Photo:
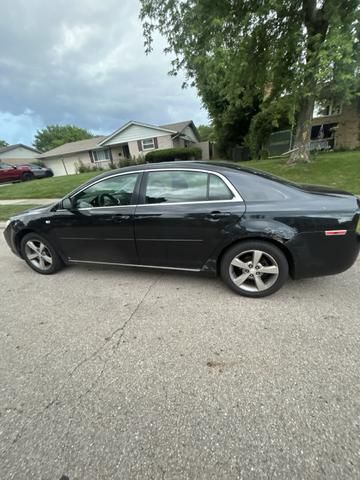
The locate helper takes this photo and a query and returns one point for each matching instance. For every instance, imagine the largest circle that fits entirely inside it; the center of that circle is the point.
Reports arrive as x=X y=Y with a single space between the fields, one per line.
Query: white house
x=131 y=140
x=18 y=154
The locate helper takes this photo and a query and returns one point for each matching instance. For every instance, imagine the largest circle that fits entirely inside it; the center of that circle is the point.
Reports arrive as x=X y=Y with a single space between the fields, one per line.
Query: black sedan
x=252 y=228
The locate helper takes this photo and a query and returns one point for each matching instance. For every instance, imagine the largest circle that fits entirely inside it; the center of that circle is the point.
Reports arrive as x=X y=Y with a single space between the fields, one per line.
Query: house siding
x=134 y=133
x=179 y=142
x=164 y=141
x=117 y=154
x=188 y=131
x=18 y=155
x=347 y=135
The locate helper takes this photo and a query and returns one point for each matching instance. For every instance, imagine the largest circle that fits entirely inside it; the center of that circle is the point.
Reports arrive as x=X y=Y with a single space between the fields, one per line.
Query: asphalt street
x=110 y=373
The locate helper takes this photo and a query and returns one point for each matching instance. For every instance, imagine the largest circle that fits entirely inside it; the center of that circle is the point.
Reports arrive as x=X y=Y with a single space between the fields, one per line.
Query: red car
x=12 y=173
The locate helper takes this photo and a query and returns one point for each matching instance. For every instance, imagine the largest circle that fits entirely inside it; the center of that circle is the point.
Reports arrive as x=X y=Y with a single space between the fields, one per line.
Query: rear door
x=183 y=217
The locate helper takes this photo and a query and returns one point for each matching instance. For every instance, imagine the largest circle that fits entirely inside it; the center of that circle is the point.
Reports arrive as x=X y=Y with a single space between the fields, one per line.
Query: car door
x=99 y=228
x=184 y=216
x=3 y=173
x=8 y=173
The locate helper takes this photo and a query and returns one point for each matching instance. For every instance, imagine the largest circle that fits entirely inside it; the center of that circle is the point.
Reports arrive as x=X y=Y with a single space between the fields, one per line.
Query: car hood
x=33 y=211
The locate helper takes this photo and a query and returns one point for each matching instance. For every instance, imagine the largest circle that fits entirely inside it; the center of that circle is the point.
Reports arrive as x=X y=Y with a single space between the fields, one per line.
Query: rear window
x=258 y=188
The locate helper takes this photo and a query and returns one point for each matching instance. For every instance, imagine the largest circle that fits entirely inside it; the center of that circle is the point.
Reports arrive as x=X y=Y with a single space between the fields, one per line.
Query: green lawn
x=338 y=169
x=54 y=187
x=6 y=211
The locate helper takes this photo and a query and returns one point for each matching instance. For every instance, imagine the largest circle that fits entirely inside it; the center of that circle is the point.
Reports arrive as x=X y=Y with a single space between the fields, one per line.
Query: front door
x=8 y=173
x=100 y=227
x=183 y=218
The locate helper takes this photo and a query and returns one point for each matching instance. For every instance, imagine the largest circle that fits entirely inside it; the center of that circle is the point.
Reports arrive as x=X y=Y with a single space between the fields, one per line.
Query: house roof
x=141 y=124
x=74 y=147
x=17 y=145
x=179 y=127
x=98 y=142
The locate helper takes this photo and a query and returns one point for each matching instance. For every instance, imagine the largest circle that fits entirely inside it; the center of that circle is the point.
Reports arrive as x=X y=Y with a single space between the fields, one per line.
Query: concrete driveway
x=127 y=374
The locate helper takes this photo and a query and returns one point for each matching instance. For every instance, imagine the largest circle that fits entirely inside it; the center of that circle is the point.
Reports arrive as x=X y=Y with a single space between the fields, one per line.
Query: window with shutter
x=148 y=143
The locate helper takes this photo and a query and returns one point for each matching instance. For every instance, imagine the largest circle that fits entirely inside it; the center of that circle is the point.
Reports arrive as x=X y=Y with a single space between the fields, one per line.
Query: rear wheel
x=254 y=268
x=40 y=255
x=26 y=176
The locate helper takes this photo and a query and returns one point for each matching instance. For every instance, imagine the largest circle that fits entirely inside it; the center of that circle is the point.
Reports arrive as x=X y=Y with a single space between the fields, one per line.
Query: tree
x=274 y=116
x=264 y=49
x=206 y=133
x=3 y=143
x=53 y=136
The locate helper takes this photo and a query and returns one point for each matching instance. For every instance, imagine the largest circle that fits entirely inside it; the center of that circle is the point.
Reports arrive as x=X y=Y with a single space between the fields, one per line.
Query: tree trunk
x=301 y=145
x=316 y=28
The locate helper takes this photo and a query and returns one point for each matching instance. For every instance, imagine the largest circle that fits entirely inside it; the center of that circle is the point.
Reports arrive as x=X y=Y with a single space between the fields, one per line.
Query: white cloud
x=83 y=62
x=19 y=128
x=73 y=38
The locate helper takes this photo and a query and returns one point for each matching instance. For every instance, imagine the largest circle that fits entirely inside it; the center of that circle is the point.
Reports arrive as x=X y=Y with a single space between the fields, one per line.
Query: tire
x=39 y=254
x=265 y=277
x=25 y=177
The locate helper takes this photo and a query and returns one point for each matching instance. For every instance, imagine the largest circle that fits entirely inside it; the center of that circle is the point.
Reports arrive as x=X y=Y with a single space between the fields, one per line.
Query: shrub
x=82 y=168
x=171 y=154
x=139 y=160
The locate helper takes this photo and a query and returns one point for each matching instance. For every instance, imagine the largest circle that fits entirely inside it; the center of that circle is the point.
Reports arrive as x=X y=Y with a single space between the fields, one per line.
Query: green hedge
x=170 y=154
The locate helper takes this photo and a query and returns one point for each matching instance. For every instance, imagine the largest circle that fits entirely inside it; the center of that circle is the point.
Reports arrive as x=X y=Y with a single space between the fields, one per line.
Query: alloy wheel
x=38 y=254
x=254 y=271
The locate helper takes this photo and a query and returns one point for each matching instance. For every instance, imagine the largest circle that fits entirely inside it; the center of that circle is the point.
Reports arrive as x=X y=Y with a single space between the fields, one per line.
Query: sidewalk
x=29 y=201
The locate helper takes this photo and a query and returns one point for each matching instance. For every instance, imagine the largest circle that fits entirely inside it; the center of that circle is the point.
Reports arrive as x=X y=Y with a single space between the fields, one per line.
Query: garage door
x=57 y=166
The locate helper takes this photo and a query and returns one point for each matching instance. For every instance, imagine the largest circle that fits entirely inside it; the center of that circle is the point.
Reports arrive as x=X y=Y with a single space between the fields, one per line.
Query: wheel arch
x=19 y=236
x=276 y=243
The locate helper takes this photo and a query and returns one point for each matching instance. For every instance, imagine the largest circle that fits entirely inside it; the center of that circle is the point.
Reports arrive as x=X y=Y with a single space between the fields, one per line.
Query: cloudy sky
x=83 y=62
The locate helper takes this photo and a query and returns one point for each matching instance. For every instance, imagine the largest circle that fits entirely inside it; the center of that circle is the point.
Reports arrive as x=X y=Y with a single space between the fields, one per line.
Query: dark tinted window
x=176 y=186
x=218 y=190
x=109 y=192
x=254 y=187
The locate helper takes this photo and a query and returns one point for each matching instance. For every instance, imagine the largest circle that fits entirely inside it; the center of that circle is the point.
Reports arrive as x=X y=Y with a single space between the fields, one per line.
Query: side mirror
x=68 y=204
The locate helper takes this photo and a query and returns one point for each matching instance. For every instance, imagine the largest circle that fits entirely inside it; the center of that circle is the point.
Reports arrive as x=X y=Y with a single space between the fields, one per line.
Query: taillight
x=335 y=233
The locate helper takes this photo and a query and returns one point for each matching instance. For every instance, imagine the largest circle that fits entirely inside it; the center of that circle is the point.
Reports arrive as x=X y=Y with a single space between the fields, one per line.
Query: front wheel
x=27 y=176
x=254 y=268
x=39 y=254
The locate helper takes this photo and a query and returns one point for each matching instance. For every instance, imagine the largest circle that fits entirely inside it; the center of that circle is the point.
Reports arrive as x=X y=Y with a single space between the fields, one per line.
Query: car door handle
x=119 y=218
x=215 y=215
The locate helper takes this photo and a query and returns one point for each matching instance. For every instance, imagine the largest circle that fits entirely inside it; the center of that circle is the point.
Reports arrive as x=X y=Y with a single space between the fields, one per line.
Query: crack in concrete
x=70 y=375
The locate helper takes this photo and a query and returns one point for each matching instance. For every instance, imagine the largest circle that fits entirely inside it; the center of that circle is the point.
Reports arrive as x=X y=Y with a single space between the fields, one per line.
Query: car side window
x=109 y=192
x=218 y=190
x=176 y=187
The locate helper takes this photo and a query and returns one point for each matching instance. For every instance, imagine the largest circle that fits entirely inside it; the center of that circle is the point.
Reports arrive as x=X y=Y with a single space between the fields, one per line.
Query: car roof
x=215 y=166
x=197 y=165
x=227 y=169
